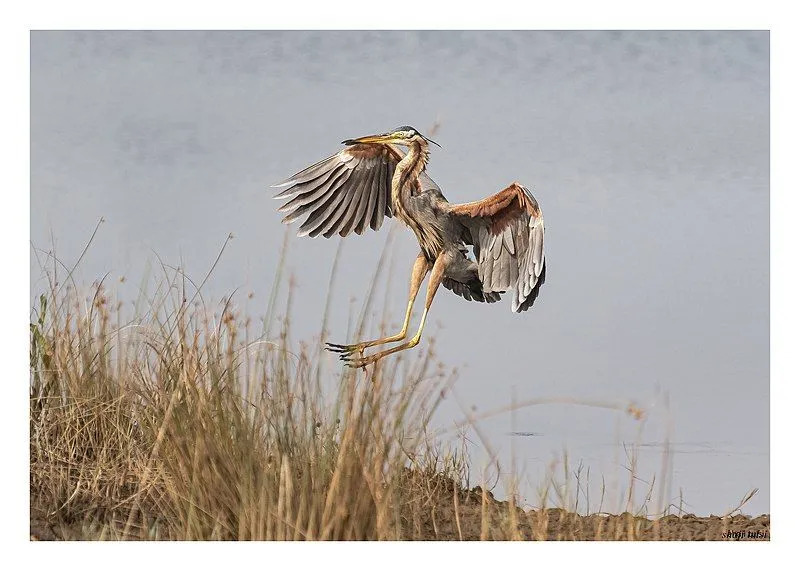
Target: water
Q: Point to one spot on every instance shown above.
(648, 152)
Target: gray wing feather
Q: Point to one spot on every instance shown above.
(378, 199)
(318, 215)
(380, 208)
(508, 240)
(468, 293)
(511, 257)
(331, 211)
(531, 268)
(304, 202)
(307, 175)
(359, 216)
(388, 174)
(337, 219)
(355, 210)
(368, 214)
(321, 210)
(345, 192)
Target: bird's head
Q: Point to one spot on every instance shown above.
(404, 135)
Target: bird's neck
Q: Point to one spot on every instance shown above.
(405, 177)
(408, 170)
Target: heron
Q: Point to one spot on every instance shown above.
(382, 176)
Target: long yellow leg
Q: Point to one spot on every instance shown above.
(418, 272)
(437, 273)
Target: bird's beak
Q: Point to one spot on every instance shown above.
(432, 141)
(385, 139)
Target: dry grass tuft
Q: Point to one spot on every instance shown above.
(180, 423)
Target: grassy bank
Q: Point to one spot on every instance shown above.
(191, 421)
(181, 423)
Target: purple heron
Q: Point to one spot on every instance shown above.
(372, 178)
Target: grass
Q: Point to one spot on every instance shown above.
(181, 422)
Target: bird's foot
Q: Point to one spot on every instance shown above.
(359, 362)
(346, 350)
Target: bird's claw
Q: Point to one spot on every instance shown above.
(345, 350)
(335, 347)
(357, 362)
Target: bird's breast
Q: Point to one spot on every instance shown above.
(422, 220)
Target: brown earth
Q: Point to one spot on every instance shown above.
(480, 516)
(562, 525)
(474, 514)
(558, 524)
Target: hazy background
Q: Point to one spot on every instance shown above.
(648, 152)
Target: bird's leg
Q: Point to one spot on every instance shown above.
(418, 272)
(437, 273)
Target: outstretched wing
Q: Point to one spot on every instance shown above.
(507, 232)
(344, 193)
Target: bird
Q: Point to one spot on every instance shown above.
(478, 250)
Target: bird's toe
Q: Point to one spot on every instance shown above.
(356, 362)
(344, 349)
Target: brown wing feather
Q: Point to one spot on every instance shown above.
(502, 207)
(346, 192)
(507, 231)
